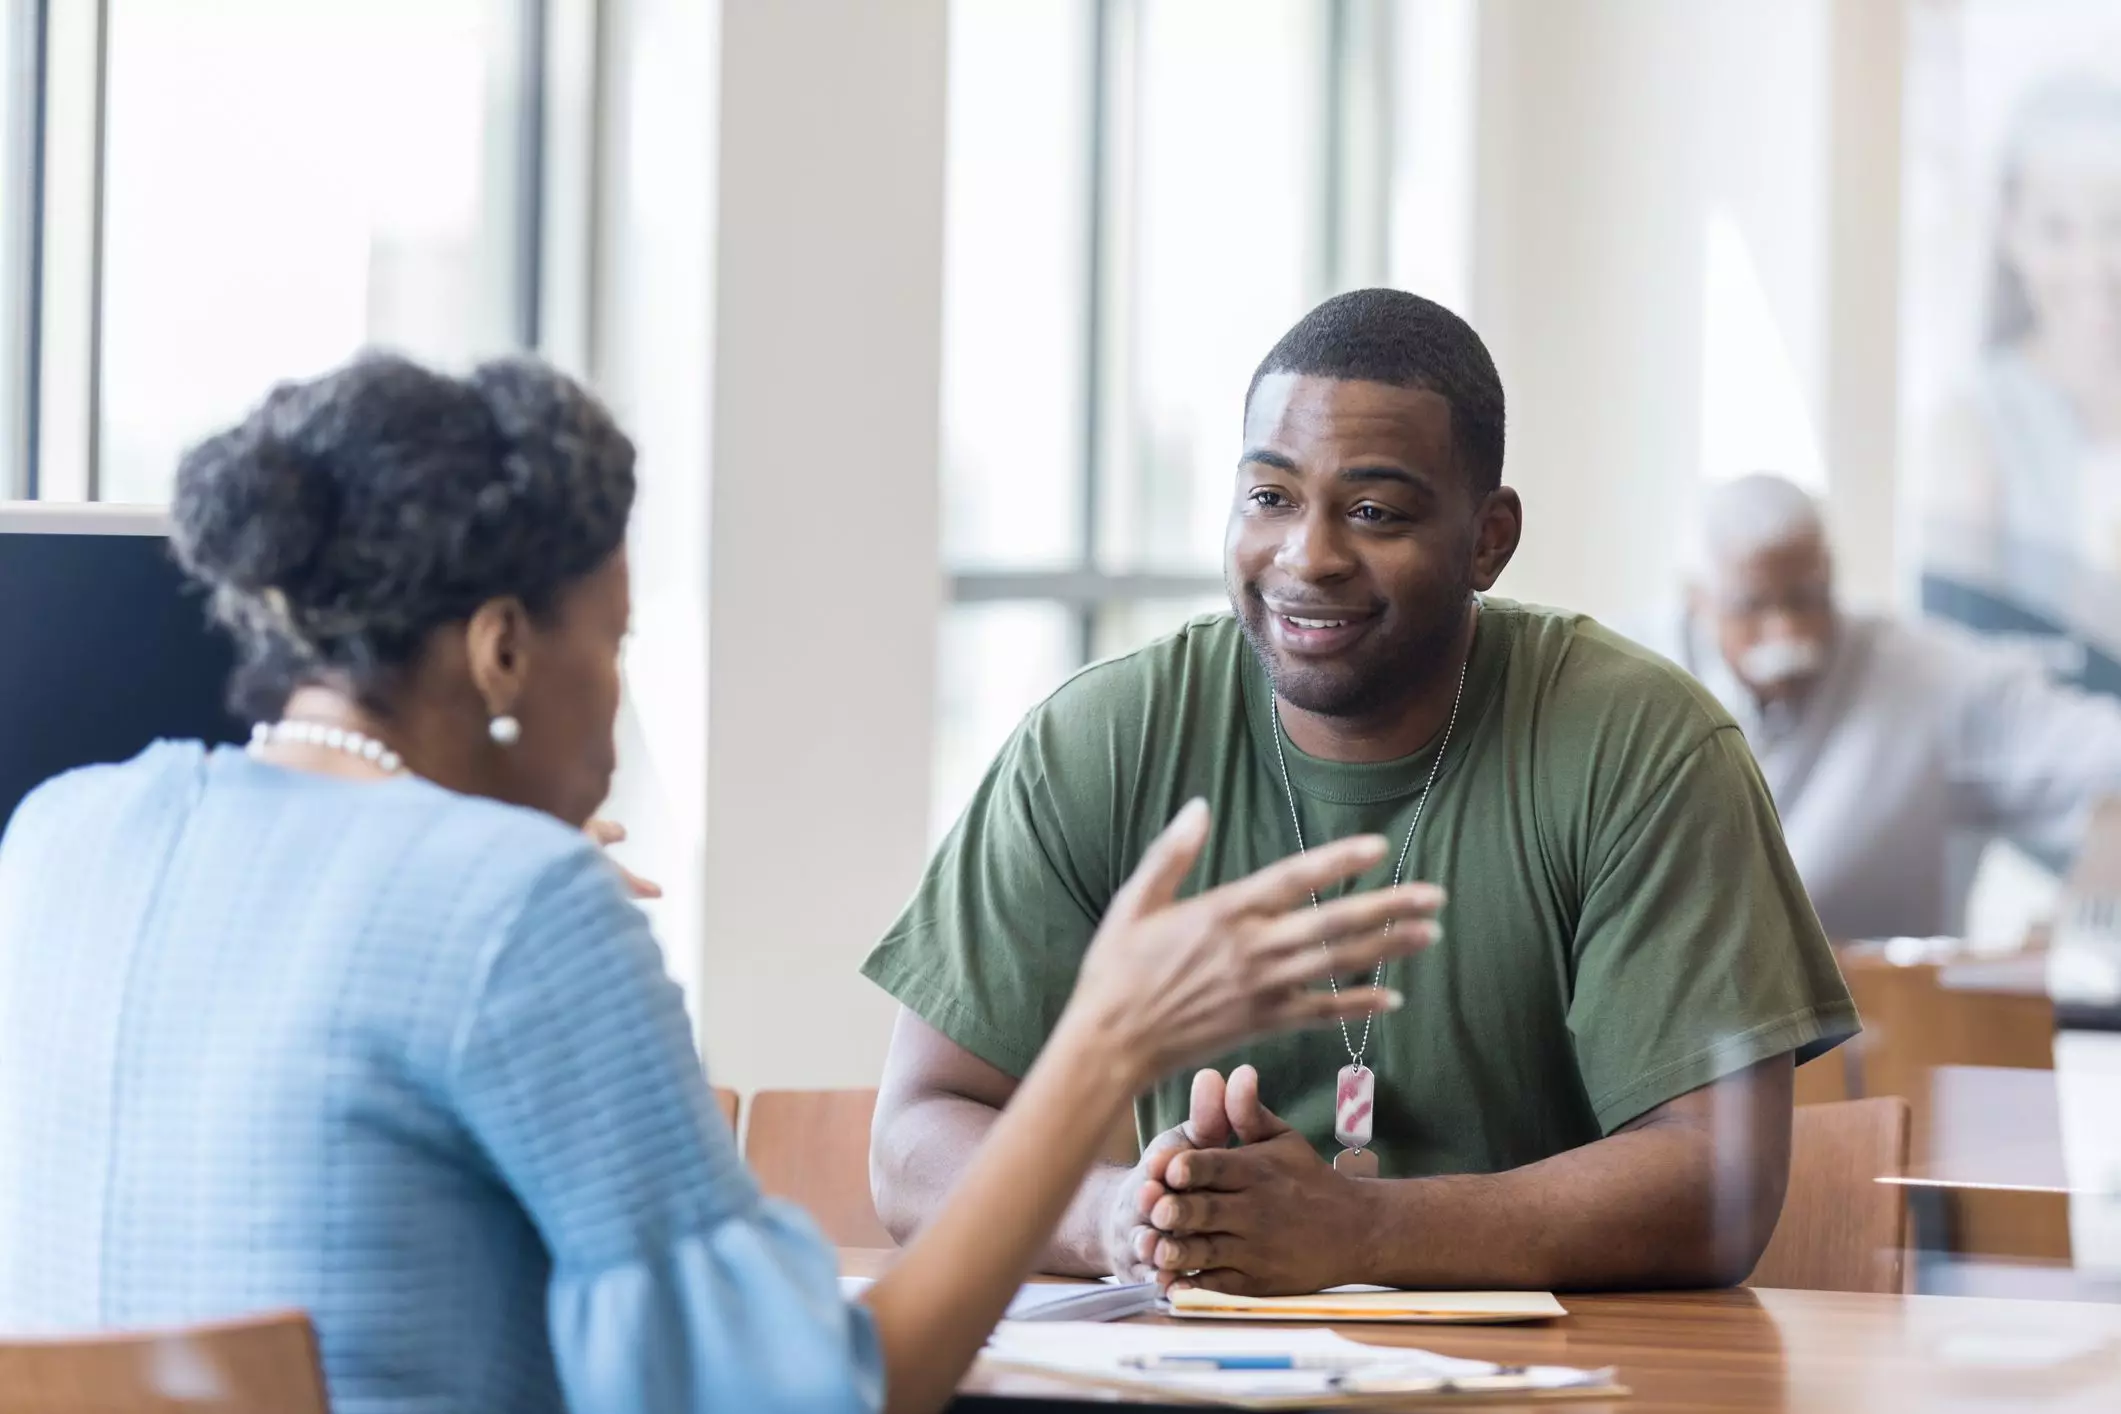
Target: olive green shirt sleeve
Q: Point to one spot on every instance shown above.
(987, 952)
(1697, 952)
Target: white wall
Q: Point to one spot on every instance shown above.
(824, 590)
(770, 328)
(1863, 298)
(1682, 259)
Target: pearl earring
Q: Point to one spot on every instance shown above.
(505, 730)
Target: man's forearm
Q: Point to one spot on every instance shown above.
(1642, 1208)
(927, 1146)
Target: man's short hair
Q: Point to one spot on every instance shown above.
(1741, 517)
(1390, 336)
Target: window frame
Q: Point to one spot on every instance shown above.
(53, 142)
(1350, 218)
(22, 48)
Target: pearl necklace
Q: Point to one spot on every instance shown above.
(353, 743)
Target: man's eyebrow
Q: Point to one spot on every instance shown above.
(1260, 456)
(1386, 472)
(1373, 472)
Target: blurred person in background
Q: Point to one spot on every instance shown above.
(1884, 743)
(2022, 525)
(358, 1022)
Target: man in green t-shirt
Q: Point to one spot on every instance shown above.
(1589, 1083)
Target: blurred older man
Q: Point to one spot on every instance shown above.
(1890, 747)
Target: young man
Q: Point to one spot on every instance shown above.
(1589, 1085)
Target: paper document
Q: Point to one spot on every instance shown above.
(1066, 1301)
(1333, 1369)
(1371, 1304)
(1060, 1301)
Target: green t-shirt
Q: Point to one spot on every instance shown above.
(1623, 924)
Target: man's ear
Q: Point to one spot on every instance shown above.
(497, 652)
(1498, 526)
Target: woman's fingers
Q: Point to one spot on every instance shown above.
(1354, 916)
(637, 886)
(1308, 967)
(1302, 1009)
(1286, 883)
(1154, 882)
(607, 833)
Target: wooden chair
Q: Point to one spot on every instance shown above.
(1915, 1028)
(812, 1148)
(1912, 1023)
(1841, 1229)
(732, 1106)
(264, 1365)
(1824, 1079)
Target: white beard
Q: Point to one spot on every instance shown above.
(1780, 660)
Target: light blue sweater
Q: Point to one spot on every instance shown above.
(406, 1060)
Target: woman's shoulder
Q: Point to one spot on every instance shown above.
(461, 860)
(484, 861)
(165, 777)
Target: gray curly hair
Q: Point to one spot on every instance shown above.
(349, 516)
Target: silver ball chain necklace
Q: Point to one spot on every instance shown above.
(1355, 1090)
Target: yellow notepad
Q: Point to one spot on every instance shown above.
(1369, 1304)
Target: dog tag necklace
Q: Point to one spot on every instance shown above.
(1355, 1093)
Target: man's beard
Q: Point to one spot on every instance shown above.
(1378, 676)
(1779, 662)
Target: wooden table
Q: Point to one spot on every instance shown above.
(1751, 1352)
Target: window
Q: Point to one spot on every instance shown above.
(18, 205)
(1221, 200)
(1141, 196)
(284, 184)
(228, 193)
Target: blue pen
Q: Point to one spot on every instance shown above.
(1247, 1362)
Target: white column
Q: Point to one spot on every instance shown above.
(1863, 302)
(1649, 256)
(772, 328)
(824, 589)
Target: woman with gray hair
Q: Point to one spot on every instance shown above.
(2022, 516)
(357, 1021)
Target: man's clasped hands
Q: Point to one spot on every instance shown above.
(1235, 1200)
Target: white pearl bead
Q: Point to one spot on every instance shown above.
(335, 738)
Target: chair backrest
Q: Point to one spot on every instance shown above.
(1841, 1229)
(731, 1107)
(1912, 1023)
(264, 1365)
(812, 1148)
(1824, 1079)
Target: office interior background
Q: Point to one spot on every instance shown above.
(932, 321)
